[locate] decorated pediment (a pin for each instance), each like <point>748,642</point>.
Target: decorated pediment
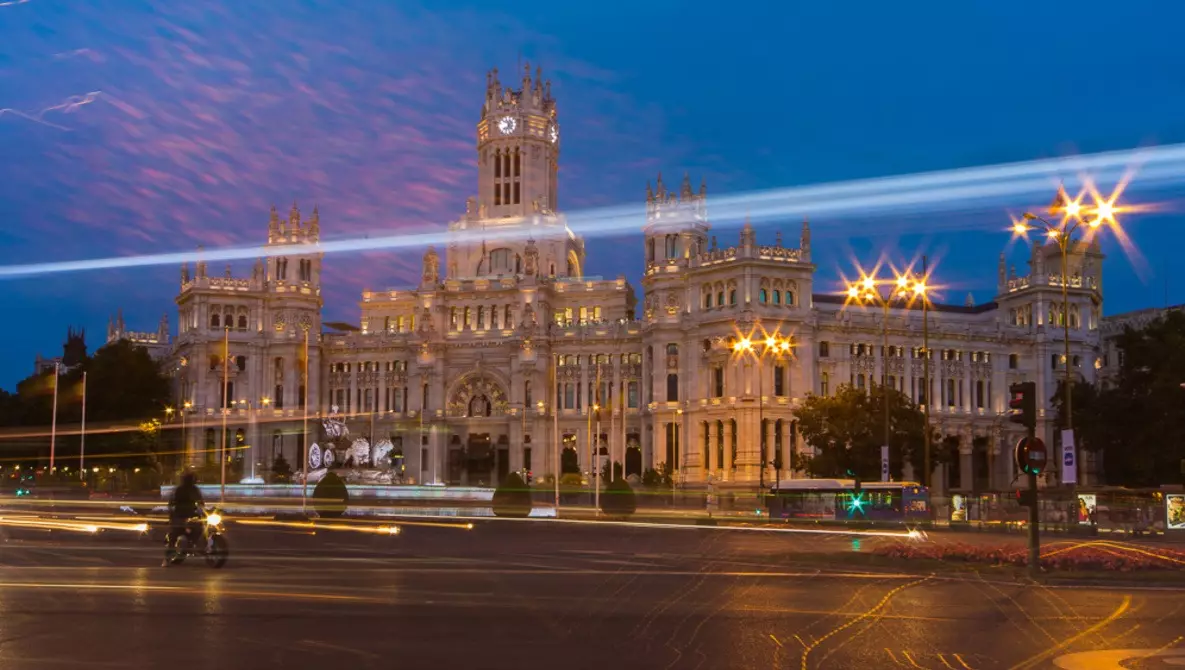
<point>477,395</point>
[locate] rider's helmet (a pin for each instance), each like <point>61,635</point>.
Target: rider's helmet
<point>189,479</point>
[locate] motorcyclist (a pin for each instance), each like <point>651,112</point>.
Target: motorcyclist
<point>185,504</point>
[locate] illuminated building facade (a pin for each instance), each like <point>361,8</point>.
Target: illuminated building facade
<point>509,356</point>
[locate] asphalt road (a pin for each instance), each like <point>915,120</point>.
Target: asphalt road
<point>543,594</point>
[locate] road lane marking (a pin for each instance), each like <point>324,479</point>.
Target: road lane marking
<point>883,602</point>
<point>1119,611</point>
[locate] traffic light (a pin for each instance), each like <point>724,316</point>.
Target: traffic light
<point>1023,404</point>
<point>1026,498</point>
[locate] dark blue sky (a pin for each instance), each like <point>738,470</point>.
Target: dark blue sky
<point>207,112</point>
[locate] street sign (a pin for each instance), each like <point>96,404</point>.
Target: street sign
<point>884,463</point>
<point>1069,458</point>
<point>1031,455</point>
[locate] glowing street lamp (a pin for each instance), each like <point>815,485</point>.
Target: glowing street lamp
<point>873,291</point>
<point>774,345</point>
<point>1075,218</point>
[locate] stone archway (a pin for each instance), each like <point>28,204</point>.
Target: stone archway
<point>477,395</point>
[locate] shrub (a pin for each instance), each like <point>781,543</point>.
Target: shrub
<point>572,480</point>
<point>331,497</point>
<point>281,470</point>
<point>618,499</point>
<point>512,498</point>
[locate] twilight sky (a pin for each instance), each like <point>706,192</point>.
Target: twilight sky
<point>132,126</point>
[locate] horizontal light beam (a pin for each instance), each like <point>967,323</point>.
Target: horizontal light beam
<point>999,185</point>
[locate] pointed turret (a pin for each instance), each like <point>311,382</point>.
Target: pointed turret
<point>804,242</point>
<point>685,189</point>
<point>200,266</point>
<point>162,330</point>
<point>1002,273</point>
<point>273,224</point>
<point>649,193</point>
<point>970,301</point>
<point>660,192</point>
<point>294,217</point>
<point>1060,199</point>
<point>748,235</point>
<point>703,188</point>
<point>315,224</point>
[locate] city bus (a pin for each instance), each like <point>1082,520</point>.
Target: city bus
<point>836,499</point>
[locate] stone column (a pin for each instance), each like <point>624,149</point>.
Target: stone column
<point>966,462</point>
<point>729,438</point>
<point>713,457</point>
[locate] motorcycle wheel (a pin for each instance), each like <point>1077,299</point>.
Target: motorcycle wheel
<point>177,551</point>
<point>218,553</point>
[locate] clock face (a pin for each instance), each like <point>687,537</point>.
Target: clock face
<point>507,125</point>
<point>553,133</point>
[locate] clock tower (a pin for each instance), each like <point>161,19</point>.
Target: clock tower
<point>518,141</point>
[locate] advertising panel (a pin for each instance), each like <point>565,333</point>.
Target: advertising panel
<point>1174,504</point>
<point>1086,507</point>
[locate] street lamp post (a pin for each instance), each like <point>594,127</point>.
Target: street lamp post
<point>774,345</point>
<point>1074,215</point>
<point>869,291</point>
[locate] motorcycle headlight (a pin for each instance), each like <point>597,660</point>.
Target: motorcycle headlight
<point>214,519</point>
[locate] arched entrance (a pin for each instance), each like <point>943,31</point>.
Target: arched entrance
<point>633,456</point>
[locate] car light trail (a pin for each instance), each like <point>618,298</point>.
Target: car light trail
<point>1001,185</point>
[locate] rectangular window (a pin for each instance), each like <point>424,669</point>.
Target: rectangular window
<point>979,394</point>
<point>779,380</point>
<point>824,349</point>
<point>1013,361</point>
<point>497,194</point>
<point>527,459</point>
<point>516,187</point>
<point>672,388</point>
<point>718,382</point>
<point>633,395</point>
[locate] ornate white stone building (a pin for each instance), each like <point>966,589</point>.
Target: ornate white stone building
<point>508,352</point>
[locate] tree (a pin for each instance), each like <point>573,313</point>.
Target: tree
<point>847,430</point>
<point>1136,420</point>
<point>123,386</point>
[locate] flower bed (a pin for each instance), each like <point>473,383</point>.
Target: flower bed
<point>1061,556</point>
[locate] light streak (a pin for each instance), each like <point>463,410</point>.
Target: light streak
<point>963,189</point>
<point>12,3</point>
<point>68,106</point>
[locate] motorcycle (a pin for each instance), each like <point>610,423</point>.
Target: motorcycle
<point>204,536</point>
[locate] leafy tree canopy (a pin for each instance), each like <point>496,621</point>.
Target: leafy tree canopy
<point>847,430</point>
<point>1136,419</point>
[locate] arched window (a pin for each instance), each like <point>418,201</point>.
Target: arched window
<point>860,381</point>
<point>649,251</point>
<point>242,322</point>
<point>720,298</point>
<point>500,261</point>
<point>791,299</point>
<point>672,349</point>
<point>708,300</point>
<point>672,245</point>
<point>214,320</point>
<point>732,296</point>
<point>241,363</point>
<point>777,297</point>
<point>762,296</point>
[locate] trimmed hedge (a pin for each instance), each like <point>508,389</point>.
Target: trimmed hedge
<point>618,499</point>
<point>331,497</point>
<point>512,498</point>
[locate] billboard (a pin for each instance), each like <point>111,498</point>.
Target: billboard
<point>1086,508</point>
<point>1174,511</point>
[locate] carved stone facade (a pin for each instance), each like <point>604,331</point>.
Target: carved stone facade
<point>509,352</point>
